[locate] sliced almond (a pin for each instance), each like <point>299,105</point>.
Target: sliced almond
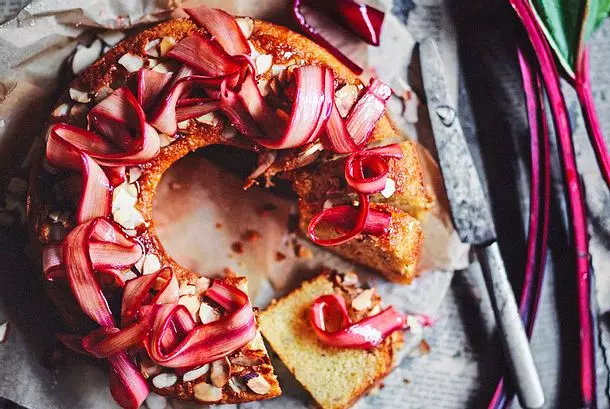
<point>154,401</point>
<point>210,119</point>
<point>128,217</point>
<point>151,62</point>
<point>151,264</point>
<point>131,62</point>
<point>167,43</point>
<point>102,93</point>
<point>166,140</point>
<point>375,310</point>
<point>345,98</point>
<point>187,289</point>
<point>79,96</point>
<point>166,67</point>
<point>3,331</point>
<point>253,50</point>
<point>129,275</point>
<point>196,373</point>
<point>205,392</point>
<point>389,189</point>
<point>61,110</point>
<point>363,300</point>
<point>165,380</point>
<point>208,314</point>
<point>149,368</point>
<point>152,48</point>
<point>191,303</point>
<point>237,385</point>
<point>350,279</point>
<point>184,124</point>
<point>134,173</point>
<point>202,284</point>
<point>246,25</point>
<point>257,383</point>
<point>85,56</point>
<point>244,360</point>
<point>263,63</point>
<point>111,37</point>
<point>220,372</point>
<point>276,69</point>
<point>122,198</point>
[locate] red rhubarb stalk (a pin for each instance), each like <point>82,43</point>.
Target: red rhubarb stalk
<point>540,192</point>
<point>575,200</point>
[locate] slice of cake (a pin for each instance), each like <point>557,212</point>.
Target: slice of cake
<point>336,377</point>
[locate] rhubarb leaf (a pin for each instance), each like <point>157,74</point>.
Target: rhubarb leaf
<point>568,24</point>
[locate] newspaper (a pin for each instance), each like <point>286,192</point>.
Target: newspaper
<point>464,362</point>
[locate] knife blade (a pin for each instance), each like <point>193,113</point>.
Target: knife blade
<point>474,224</point>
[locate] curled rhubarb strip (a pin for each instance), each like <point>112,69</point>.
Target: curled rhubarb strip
<point>105,342</point>
<point>127,385</point>
<point>163,117</point>
<point>222,27</point>
<point>368,110</point>
<point>337,137</point>
<point>195,107</point>
<point>343,216</point>
<point>204,56</point>
<point>365,334</point>
<point>150,85</point>
<point>202,343</point>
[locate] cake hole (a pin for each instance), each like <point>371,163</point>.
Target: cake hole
<point>210,225</point>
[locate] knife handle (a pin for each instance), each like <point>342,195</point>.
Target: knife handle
<point>515,343</point>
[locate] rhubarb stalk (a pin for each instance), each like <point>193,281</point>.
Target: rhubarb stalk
<point>574,195</point>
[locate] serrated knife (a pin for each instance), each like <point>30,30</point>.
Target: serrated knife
<point>474,224</point>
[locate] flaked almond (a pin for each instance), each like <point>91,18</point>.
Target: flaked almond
<point>165,140</point>
<point>151,62</point>
<point>62,110</point>
<point>205,392</point>
<point>196,373</point>
<point>111,37</point>
<point>244,360</point>
<point>154,401</point>
<point>276,69</point>
<point>129,275</point>
<point>191,303</point>
<point>389,189</point>
<point>184,124</point>
<point>202,284</point>
<point>246,25</point>
<point>131,62</point>
<point>79,95</point>
<point>102,93</point>
<point>220,372</point>
<point>350,279</point>
<point>166,67</point>
<point>210,119</point>
<point>345,98</point>
<point>149,368</point>
<point>187,289</point>
<point>363,300</point>
<point>237,385</point>
<point>85,56</point>
<point>152,48</point>
<point>207,313</point>
<point>165,380</point>
<point>151,264</point>
<point>375,310</point>
<point>122,197</point>
<point>167,43</point>
<point>263,63</point>
<point>128,217</point>
<point>134,173</point>
<point>257,383</point>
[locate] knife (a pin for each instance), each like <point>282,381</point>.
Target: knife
<point>474,224</point>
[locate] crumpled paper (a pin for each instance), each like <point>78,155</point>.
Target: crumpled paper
<point>198,219</point>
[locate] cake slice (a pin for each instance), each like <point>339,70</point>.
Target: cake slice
<point>393,254</point>
<point>336,377</point>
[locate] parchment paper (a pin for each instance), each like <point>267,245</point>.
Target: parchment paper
<point>198,218</point>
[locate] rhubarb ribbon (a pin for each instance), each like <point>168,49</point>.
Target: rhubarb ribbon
<point>365,334</point>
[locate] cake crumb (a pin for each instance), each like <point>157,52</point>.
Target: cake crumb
<point>251,235</point>
<point>279,256</point>
<point>237,247</point>
<point>218,225</point>
<point>302,251</point>
<point>406,381</point>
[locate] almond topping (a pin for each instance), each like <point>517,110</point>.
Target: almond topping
<point>263,63</point>
<point>102,93</point>
<point>111,37</point>
<point>128,217</point>
<point>220,372</point>
<point>184,124</point>
<point>134,173</point>
<point>350,278</point>
<point>345,98</point>
<point>207,313</point>
<point>244,360</point>
<point>85,56</point>
<point>206,392</point>
<point>79,96</point>
<point>196,373</point>
<point>389,189</point>
<point>246,25</point>
<point>131,62</point>
<point>210,119</point>
<point>167,43</point>
<point>152,48</point>
<point>257,383</point>
<point>165,380</point>
<point>363,300</point>
<point>151,264</point>
<point>202,284</point>
<point>191,303</point>
<point>129,275</point>
<point>188,289</point>
<point>61,110</point>
<point>166,140</point>
<point>237,385</point>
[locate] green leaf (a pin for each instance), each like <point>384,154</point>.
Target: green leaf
<point>568,24</point>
